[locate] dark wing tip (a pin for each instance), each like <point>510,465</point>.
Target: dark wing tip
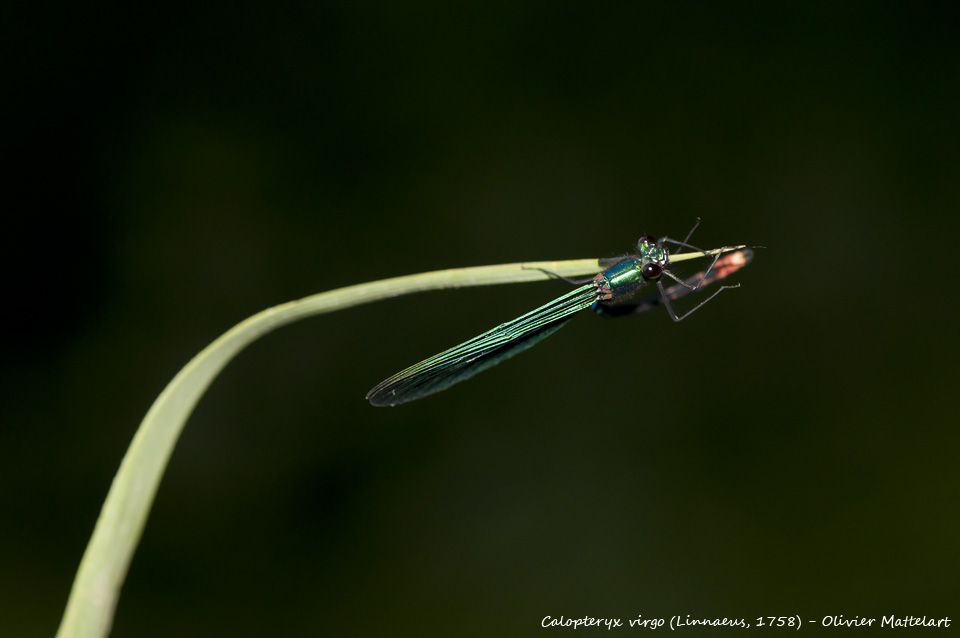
<point>378,398</point>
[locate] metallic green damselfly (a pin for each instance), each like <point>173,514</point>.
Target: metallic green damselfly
<point>612,292</point>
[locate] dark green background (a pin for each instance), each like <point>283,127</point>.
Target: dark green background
<point>791,449</point>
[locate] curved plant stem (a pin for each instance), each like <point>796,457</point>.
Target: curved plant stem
<point>93,597</point>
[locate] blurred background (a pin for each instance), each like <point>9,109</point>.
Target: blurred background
<point>790,449</point>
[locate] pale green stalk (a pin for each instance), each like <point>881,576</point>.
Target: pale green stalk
<point>93,597</point>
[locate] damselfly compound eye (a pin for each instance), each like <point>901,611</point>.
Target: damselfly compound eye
<point>649,239</point>
<point>651,272</point>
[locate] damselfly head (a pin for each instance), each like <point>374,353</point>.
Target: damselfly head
<point>651,254</point>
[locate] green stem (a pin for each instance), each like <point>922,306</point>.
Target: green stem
<point>93,597</point>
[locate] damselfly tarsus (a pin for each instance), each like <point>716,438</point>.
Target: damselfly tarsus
<point>612,292</point>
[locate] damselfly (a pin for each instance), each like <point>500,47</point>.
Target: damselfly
<point>612,293</point>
